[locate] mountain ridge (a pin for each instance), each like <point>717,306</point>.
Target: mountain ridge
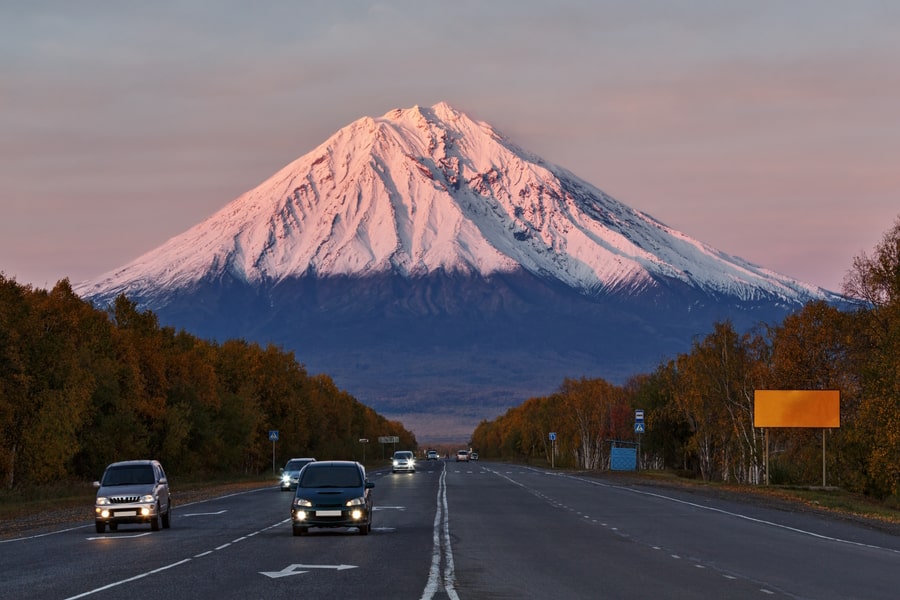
<point>363,202</point>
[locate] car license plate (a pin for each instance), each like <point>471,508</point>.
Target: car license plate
<point>126,513</point>
<point>328,513</point>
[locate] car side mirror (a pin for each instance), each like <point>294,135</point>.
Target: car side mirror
<point>163,481</point>
<point>370,485</point>
<point>96,484</point>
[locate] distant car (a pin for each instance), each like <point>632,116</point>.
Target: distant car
<point>432,455</point>
<point>473,456</point>
<point>462,456</point>
<point>332,494</point>
<point>134,491</point>
<point>291,471</point>
<point>403,460</point>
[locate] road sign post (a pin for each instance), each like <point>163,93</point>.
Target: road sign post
<point>639,429</point>
<point>552,449</point>
<point>273,435</point>
<point>364,441</point>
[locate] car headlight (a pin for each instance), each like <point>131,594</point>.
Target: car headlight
<point>356,501</point>
<point>396,462</point>
<point>147,498</point>
<point>102,501</point>
<point>303,502</point>
<point>286,477</point>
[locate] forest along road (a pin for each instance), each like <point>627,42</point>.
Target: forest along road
<point>468,531</point>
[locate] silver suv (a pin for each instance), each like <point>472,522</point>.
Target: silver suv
<point>134,491</point>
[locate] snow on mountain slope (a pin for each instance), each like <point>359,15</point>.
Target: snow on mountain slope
<point>428,189</point>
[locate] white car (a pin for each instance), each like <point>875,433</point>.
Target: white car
<point>462,456</point>
<point>134,491</point>
<point>403,460</point>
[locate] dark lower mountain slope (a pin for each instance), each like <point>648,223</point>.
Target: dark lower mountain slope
<point>442,352</point>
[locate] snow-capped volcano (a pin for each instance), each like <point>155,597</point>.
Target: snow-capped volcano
<point>441,274</point>
<point>427,190</point>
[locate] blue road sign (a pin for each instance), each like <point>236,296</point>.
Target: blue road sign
<point>552,436</point>
<point>273,435</point>
<point>639,427</point>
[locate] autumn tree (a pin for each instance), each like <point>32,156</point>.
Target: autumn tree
<point>875,280</point>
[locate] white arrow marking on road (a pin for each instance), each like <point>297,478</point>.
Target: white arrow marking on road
<point>295,570</point>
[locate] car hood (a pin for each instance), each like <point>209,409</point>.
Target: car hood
<point>125,490</point>
<point>330,495</point>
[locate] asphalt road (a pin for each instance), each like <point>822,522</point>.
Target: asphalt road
<point>467,531</point>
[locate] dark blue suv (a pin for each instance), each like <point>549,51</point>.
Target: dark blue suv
<point>332,494</point>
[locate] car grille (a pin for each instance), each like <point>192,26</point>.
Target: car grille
<point>124,499</point>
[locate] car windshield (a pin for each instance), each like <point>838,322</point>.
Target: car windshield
<point>406,455</point>
<point>331,477</point>
<point>130,475</point>
<point>295,465</point>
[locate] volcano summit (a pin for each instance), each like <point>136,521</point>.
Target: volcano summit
<point>441,274</point>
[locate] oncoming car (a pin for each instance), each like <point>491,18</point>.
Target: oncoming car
<point>134,491</point>
<point>332,494</point>
<point>403,460</point>
<point>291,471</point>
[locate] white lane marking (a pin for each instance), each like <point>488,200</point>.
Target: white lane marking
<point>117,537</point>
<point>130,579</point>
<point>40,535</point>
<point>175,564</point>
<point>221,512</point>
<point>738,515</point>
<point>441,545</point>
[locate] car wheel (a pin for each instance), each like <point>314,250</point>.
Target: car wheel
<point>167,518</point>
<point>113,526</point>
<point>365,529</point>
<point>298,531</point>
<point>101,526</point>
<point>154,522</point>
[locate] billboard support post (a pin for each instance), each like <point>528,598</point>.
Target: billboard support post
<point>796,408</point>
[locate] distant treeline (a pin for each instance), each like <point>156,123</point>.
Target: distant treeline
<point>82,387</point>
<point>698,408</point>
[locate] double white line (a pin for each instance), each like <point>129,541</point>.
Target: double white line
<point>441,548</point>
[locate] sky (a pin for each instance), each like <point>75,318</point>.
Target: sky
<point>767,129</point>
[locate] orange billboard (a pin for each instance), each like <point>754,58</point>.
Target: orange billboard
<point>797,408</point>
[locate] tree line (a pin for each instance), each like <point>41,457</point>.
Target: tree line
<point>699,406</point>
<point>82,387</point>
